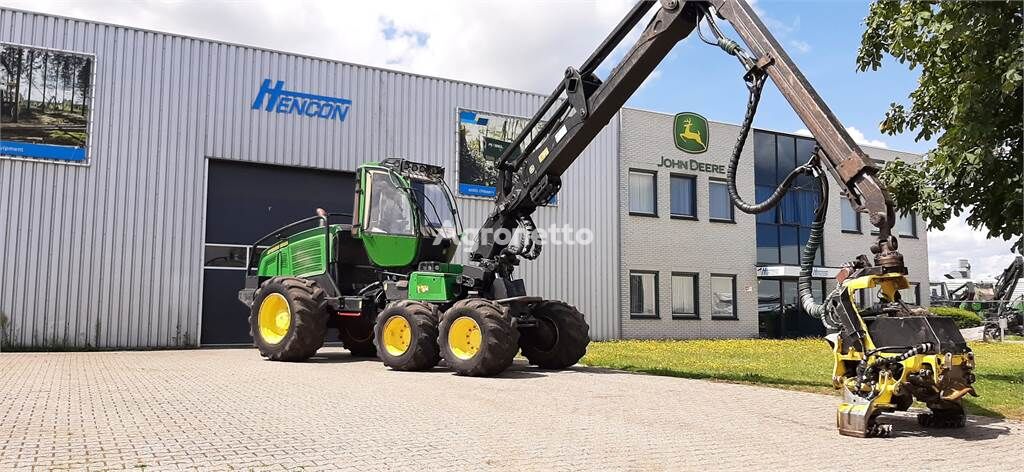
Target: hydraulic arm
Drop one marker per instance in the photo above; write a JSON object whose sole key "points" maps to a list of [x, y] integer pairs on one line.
{"points": [[530, 170], [883, 362]]}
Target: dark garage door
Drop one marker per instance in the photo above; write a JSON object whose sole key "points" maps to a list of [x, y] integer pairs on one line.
{"points": [[243, 203]]}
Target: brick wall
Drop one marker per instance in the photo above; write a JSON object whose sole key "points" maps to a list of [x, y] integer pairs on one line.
{"points": [[671, 245], [667, 245]]}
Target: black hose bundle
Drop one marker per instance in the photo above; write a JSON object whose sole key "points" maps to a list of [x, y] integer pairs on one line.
{"points": [[817, 310], [755, 78], [868, 369], [528, 246]]}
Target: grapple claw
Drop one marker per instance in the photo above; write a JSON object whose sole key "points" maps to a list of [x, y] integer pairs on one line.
{"points": [[879, 430], [856, 416]]}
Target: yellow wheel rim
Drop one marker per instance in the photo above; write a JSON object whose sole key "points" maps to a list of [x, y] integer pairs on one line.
{"points": [[464, 337], [275, 318], [397, 335]]}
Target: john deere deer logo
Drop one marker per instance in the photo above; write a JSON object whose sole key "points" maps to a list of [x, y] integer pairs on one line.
{"points": [[691, 133]]}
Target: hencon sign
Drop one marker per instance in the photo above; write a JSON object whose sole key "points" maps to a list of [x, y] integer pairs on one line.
{"points": [[278, 100]]}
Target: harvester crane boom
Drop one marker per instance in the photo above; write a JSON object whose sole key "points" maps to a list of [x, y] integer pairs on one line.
{"points": [[530, 169], [1007, 282]]}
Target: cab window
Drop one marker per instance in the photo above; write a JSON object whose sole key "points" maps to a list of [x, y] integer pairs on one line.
{"points": [[433, 200], [389, 209]]}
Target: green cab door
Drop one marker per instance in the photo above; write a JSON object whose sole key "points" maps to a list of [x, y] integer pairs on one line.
{"points": [[387, 223]]}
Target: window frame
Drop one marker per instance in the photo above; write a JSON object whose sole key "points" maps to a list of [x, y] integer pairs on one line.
{"points": [[917, 293], [732, 208], [654, 196], [693, 198], [912, 215], [370, 206], [735, 302], [696, 297], [657, 296], [779, 213], [913, 226], [245, 248], [856, 216]]}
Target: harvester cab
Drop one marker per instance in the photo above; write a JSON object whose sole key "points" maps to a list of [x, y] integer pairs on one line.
{"points": [[339, 270], [405, 214]]}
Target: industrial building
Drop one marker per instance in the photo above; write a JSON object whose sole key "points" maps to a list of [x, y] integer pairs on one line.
{"points": [[127, 224], [194, 149], [695, 267]]}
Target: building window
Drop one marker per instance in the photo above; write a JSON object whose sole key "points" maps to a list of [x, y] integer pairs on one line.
{"points": [[225, 256], [851, 218], [780, 314], [723, 296], [789, 245], [767, 244], [643, 294], [683, 192], [643, 193], [684, 295], [720, 203], [782, 231], [912, 295], [906, 225]]}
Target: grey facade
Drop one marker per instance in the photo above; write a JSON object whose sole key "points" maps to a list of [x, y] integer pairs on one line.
{"points": [[110, 254], [668, 244], [702, 246]]}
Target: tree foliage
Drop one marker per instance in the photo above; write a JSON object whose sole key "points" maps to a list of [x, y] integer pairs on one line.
{"points": [[969, 98]]}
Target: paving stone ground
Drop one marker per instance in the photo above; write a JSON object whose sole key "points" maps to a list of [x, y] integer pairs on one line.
{"points": [[228, 409]]}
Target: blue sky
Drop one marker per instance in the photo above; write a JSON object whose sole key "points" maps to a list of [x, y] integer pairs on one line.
{"points": [[822, 38]]}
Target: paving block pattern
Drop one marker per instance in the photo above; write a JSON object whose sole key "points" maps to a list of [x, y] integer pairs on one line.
{"points": [[231, 410]]}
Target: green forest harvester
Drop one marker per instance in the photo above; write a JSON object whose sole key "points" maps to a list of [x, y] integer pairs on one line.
{"points": [[384, 271], [386, 281]]}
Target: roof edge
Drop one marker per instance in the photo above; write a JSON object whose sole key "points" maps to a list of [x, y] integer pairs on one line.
{"points": [[266, 49]]}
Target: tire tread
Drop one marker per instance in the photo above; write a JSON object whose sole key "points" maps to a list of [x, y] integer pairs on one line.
{"points": [[500, 343], [309, 314], [573, 336]]}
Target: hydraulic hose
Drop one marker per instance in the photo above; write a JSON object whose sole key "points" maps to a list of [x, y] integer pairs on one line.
{"points": [[868, 369], [755, 78], [810, 250], [526, 247], [812, 308]]}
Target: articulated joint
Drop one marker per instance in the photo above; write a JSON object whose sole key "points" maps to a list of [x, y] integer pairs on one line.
{"points": [[574, 90]]}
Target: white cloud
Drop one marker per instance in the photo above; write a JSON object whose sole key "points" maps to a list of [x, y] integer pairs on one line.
{"points": [[492, 42], [651, 78], [856, 134], [988, 257], [801, 46]]}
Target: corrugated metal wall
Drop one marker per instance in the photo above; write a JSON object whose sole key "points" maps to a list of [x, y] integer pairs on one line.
{"points": [[109, 255]]}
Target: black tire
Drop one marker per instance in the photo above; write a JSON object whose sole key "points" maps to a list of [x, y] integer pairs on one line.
{"points": [[422, 352], [948, 416], [940, 421], [499, 340], [307, 321], [560, 338], [903, 402], [357, 336]]}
